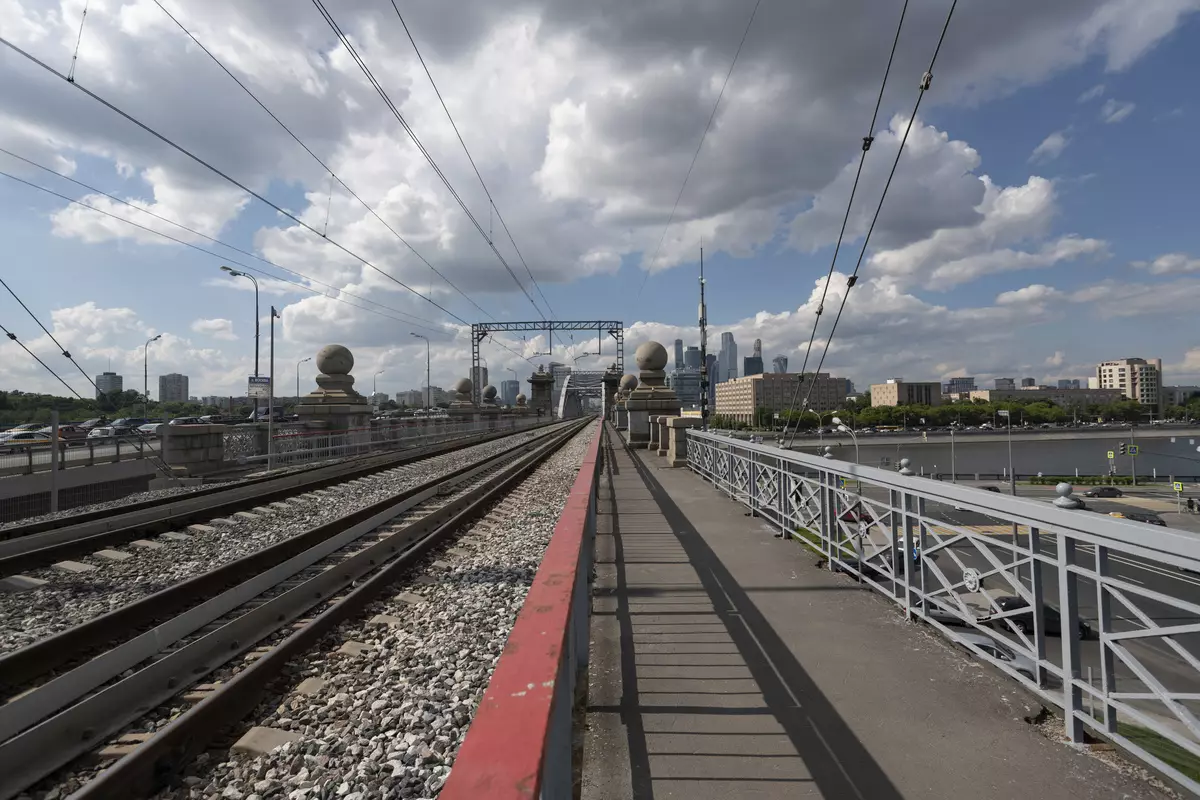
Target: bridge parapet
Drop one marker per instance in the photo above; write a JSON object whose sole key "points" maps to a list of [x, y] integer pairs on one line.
{"points": [[1095, 615]]}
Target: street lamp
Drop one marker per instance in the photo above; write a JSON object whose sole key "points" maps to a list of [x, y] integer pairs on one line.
{"points": [[428, 390], [298, 363], [146, 374], [235, 273], [373, 377], [841, 426], [1012, 479]]}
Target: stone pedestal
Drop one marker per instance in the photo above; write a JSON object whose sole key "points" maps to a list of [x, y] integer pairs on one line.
{"points": [[195, 449], [612, 384], [462, 409], [662, 433], [541, 391], [677, 428], [621, 416], [334, 406], [653, 423], [651, 397], [628, 384]]}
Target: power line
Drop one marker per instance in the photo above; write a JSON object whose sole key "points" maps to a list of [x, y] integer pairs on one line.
{"points": [[215, 255], [210, 167], [436, 91], [699, 146], [926, 82], [866, 145], [57, 343], [316, 158], [362, 65], [404, 316], [13, 336]]}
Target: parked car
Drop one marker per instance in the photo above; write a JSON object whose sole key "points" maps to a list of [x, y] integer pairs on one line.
{"points": [[184, 421], [1001, 652], [1024, 622], [1104, 491], [1139, 516], [20, 441], [71, 434]]}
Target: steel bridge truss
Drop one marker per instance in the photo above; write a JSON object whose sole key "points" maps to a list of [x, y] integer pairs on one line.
{"points": [[1075, 628], [481, 330]]}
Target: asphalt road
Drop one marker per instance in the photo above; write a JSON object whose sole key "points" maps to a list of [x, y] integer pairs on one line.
{"points": [[74, 456]]}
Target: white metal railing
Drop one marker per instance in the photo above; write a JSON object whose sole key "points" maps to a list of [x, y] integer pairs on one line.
{"points": [[1096, 615]]}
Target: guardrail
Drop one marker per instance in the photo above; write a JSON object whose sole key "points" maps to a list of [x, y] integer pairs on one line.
{"points": [[519, 745], [26, 459], [983, 568]]}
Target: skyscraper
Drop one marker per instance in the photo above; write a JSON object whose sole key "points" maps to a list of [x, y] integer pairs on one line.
{"points": [[779, 364], [107, 382], [753, 364], [508, 392], [679, 354], [691, 358], [479, 377], [727, 363], [712, 380]]}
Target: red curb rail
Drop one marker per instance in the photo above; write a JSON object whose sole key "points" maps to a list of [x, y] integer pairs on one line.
{"points": [[505, 752]]}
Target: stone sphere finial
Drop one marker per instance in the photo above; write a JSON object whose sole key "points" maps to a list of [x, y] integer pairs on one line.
{"points": [[522, 399], [463, 386], [335, 359], [828, 451], [489, 393], [629, 383], [651, 356], [1065, 499]]}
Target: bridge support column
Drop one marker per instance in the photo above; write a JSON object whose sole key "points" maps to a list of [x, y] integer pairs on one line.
{"points": [[651, 397], [677, 428]]}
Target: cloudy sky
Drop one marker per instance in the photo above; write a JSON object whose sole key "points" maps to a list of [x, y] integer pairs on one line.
{"points": [[1042, 216]]}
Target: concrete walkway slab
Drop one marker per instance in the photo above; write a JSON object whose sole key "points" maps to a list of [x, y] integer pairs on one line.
{"points": [[725, 665]]}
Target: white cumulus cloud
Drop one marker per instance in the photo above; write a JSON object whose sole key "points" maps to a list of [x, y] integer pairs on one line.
{"points": [[216, 328], [1050, 148], [1170, 264]]}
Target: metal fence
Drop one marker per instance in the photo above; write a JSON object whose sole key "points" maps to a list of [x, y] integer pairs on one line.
{"points": [[247, 444], [1097, 616], [26, 459]]}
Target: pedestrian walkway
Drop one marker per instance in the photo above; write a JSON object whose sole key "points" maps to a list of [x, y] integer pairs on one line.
{"points": [[725, 665]]}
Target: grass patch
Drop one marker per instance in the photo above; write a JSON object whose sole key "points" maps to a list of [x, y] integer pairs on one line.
{"points": [[809, 539], [1161, 748]]}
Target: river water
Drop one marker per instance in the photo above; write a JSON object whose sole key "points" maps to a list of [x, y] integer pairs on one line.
{"points": [[1168, 454]]}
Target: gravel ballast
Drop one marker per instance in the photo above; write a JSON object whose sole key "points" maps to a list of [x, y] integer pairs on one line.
{"points": [[387, 718], [70, 599]]}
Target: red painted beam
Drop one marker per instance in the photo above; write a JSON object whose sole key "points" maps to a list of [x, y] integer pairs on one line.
{"points": [[502, 755]]}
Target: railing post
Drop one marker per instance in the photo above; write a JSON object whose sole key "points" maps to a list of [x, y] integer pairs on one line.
{"points": [[29, 460], [1038, 592], [1104, 624], [91, 454], [1068, 604]]}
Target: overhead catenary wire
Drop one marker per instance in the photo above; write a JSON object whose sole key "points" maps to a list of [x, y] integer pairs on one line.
{"points": [[866, 146], [404, 316], [333, 176], [184, 151], [34, 355], [362, 65], [491, 202], [226, 259], [926, 82], [699, 146]]}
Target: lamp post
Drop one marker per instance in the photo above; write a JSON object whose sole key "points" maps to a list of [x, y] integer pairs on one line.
{"points": [[373, 400], [271, 396], [146, 374], [238, 274], [428, 390], [844, 428], [1012, 479], [298, 363]]}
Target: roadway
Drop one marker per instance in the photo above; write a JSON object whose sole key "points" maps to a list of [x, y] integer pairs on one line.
{"points": [[74, 456]]}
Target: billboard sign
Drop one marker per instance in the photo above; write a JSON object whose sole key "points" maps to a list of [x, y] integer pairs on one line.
{"points": [[258, 386]]}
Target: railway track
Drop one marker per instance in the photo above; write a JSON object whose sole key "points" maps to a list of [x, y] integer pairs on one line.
{"points": [[72, 693], [41, 542]]}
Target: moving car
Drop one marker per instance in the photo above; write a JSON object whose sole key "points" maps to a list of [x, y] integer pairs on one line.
{"points": [[1001, 652], [1139, 516], [995, 489], [126, 425], [1024, 621], [71, 434], [28, 426], [149, 430], [184, 421], [100, 432], [1104, 491], [20, 441]]}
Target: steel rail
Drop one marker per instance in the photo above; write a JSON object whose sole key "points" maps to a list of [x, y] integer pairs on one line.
{"points": [[31, 661], [39, 751], [43, 549]]}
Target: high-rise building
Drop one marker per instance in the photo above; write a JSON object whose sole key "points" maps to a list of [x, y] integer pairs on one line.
{"points": [[741, 398], [1068, 383], [779, 364], [960, 385], [752, 365], [109, 382], [508, 392], [897, 392], [727, 361], [379, 398], [1028, 382], [686, 383], [679, 354], [479, 377], [1006, 384], [691, 358], [1138, 379], [172, 388]]}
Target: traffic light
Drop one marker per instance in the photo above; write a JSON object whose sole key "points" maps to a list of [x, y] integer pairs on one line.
{"points": [[1122, 448]]}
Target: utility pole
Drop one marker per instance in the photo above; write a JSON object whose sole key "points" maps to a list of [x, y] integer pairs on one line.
{"points": [[703, 350], [1132, 457]]}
